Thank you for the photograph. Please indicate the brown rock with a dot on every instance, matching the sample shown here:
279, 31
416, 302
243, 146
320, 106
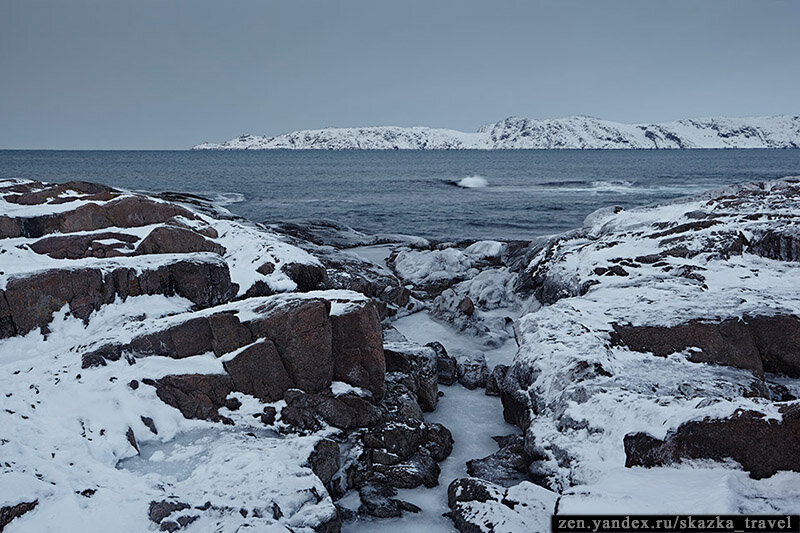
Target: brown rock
466, 306
80, 246
29, 302
307, 277
761, 446
357, 345
758, 344
51, 192
301, 332
196, 395
176, 240
257, 370
127, 212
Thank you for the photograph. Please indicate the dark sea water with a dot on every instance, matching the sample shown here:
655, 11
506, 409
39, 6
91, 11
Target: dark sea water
527, 193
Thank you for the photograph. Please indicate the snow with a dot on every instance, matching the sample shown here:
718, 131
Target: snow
782, 131
581, 421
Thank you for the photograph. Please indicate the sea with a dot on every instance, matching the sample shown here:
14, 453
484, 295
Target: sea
441, 195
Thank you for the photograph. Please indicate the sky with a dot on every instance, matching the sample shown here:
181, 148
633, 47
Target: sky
150, 74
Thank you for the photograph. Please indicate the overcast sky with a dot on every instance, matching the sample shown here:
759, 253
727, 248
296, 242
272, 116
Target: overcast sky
155, 74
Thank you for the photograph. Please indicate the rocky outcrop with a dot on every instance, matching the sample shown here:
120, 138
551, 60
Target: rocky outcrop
762, 446
759, 344
125, 212
28, 302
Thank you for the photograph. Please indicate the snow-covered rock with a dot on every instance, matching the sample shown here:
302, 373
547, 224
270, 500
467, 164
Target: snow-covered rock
674, 330
579, 132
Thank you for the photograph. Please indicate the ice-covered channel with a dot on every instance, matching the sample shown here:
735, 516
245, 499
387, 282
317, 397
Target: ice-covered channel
471, 416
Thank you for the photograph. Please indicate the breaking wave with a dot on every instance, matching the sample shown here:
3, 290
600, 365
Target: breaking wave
227, 198
472, 182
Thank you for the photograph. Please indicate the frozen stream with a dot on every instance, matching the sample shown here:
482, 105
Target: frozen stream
471, 416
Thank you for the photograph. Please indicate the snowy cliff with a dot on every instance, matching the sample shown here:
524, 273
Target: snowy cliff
521, 133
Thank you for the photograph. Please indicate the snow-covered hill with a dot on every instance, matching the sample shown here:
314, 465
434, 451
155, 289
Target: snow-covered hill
521, 133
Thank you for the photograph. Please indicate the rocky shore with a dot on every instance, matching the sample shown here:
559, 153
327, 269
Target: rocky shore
169, 366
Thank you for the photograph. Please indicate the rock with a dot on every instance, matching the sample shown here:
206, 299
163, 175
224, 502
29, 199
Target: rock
420, 364
762, 446
151, 425
81, 246
346, 411
402, 439
377, 501
162, 509
506, 467
782, 244
220, 333
258, 370
466, 306
40, 193
419, 469
399, 403
30, 302
301, 331
10, 512
324, 460
495, 380
758, 344
126, 212
308, 277
196, 395
446, 367
473, 372
268, 415
439, 441
357, 348
176, 240
479, 506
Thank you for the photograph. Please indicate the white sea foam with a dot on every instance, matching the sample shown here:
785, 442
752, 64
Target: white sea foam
473, 182
228, 198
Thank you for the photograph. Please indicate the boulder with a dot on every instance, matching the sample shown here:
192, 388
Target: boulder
377, 501
495, 380
419, 363
324, 460
419, 469
507, 466
446, 366
29, 302
308, 277
357, 348
473, 372
301, 331
762, 446
196, 395
258, 370
176, 240
480, 506
39, 193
